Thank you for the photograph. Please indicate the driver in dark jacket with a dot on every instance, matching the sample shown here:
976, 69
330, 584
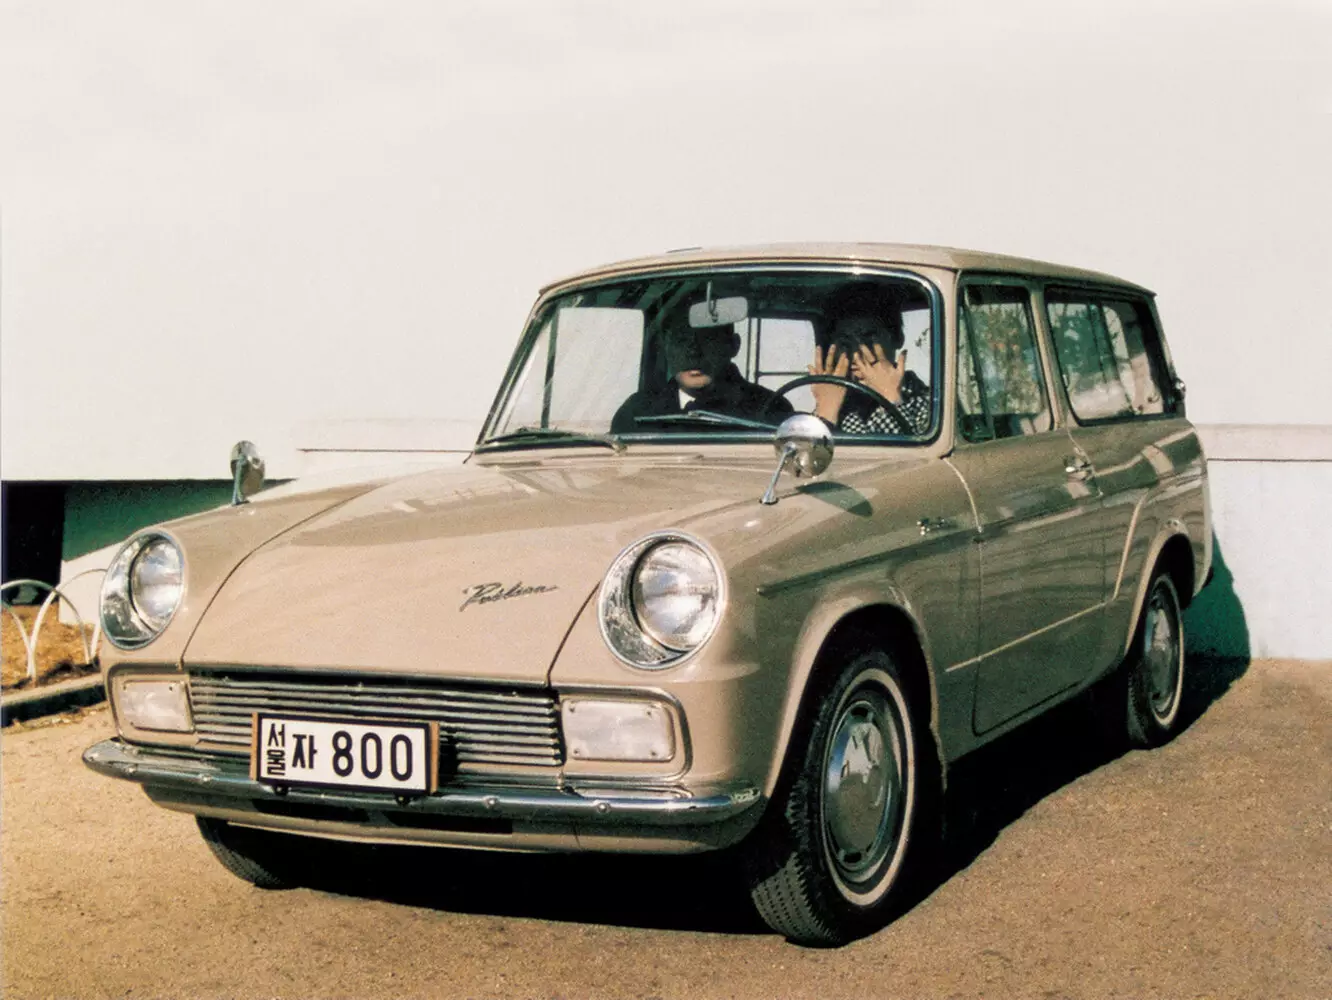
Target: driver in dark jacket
703, 378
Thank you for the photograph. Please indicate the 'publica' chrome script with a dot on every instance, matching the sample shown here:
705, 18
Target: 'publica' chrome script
489, 593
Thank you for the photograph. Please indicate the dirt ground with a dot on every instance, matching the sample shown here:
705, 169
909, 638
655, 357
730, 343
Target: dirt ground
60, 651
1200, 870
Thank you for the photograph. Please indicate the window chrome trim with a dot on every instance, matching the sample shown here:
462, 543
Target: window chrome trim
532, 330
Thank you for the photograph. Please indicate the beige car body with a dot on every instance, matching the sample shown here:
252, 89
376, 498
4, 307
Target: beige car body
1001, 596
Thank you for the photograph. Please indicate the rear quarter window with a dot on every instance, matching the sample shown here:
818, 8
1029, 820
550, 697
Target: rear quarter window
1109, 355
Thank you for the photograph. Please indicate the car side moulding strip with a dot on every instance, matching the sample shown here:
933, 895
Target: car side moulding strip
600, 805
1030, 635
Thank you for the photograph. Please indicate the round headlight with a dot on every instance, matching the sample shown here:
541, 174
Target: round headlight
675, 595
142, 590
157, 577
661, 600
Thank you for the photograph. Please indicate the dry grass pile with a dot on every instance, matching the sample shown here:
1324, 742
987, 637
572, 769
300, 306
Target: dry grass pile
59, 649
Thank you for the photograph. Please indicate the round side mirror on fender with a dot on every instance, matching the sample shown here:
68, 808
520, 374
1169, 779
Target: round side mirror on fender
247, 472
804, 444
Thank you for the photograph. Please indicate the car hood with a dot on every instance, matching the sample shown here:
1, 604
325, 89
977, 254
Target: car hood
469, 573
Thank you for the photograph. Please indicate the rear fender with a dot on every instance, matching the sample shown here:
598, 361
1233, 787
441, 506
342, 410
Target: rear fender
1168, 531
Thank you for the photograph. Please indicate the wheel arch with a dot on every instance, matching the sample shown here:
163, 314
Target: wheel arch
886, 626
1171, 552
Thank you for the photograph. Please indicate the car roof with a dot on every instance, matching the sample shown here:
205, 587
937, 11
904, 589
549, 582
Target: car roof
950, 258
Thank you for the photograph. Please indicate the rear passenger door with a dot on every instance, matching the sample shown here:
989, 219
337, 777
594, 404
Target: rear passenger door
1126, 418
1042, 582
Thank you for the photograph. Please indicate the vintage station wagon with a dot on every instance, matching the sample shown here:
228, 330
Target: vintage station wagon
754, 544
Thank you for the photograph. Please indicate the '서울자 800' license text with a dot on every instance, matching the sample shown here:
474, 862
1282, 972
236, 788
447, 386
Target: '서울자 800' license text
397, 757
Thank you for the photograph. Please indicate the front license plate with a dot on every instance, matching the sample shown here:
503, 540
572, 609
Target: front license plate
399, 757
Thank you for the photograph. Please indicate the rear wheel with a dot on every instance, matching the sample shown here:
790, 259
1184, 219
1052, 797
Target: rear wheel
267, 860
1154, 669
829, 860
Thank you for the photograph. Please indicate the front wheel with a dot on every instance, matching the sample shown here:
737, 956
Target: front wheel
266, 860
828, 861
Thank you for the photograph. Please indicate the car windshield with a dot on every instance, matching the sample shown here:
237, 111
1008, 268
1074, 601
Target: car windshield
725, 352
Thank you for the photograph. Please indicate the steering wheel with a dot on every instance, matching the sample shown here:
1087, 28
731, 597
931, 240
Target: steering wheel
845, 383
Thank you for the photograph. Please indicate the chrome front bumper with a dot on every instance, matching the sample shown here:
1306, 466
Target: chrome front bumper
170, 774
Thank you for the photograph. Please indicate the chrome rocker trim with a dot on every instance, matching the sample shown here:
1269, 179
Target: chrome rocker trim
663, 807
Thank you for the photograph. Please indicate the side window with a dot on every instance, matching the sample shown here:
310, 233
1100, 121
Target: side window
1105, 356
1000, 392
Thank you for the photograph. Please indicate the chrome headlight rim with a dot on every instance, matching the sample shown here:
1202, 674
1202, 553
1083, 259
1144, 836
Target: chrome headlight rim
621, 629
132, 628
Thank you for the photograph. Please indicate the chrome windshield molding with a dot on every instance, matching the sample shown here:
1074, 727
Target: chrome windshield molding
740, 263
186, 772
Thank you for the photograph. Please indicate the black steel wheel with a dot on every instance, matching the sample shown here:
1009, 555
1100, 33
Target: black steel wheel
1154, 669
829, 860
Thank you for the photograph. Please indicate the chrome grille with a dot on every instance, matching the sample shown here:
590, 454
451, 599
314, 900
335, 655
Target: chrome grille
480, 728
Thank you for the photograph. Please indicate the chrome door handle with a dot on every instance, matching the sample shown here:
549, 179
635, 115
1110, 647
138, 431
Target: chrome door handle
1077, 467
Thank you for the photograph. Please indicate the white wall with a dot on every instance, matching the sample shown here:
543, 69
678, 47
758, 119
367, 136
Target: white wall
224, 219
1274, 534
1271, 595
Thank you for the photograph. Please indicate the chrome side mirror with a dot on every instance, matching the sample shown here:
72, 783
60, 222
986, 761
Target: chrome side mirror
247, 472
1180, 390
804, 444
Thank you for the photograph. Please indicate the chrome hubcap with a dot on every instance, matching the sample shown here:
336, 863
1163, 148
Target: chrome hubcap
1162, 655
862, 786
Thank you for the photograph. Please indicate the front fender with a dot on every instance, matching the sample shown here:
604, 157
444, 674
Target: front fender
859, 604
214, 543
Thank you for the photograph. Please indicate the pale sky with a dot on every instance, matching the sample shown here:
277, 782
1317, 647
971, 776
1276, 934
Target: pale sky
226, 220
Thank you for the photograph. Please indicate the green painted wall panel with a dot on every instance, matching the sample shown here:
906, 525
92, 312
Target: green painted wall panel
98, 514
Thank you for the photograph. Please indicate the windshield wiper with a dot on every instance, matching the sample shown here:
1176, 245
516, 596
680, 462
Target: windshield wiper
710, 417
555, 435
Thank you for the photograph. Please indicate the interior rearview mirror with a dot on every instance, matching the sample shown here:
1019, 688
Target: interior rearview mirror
719, 312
